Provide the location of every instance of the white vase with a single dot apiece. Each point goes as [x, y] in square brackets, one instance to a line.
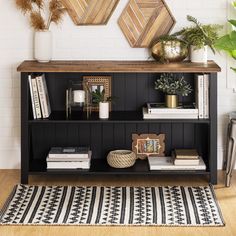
[43, 46]
[103, 110]
[198, 55]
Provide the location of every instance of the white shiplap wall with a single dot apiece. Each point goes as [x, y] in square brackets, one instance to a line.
[91, 42]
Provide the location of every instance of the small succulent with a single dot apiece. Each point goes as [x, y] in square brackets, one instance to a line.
[98, 96]
[171, 85]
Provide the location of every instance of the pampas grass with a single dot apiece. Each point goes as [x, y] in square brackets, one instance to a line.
[34, 8]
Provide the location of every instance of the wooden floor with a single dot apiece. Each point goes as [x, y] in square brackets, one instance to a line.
[225, 196]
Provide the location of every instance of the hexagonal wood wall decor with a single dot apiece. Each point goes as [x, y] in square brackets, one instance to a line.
[143, 21]
[90, 12]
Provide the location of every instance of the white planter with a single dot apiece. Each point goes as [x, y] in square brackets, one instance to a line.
[198, 55]
[103, 110]
[43, 46]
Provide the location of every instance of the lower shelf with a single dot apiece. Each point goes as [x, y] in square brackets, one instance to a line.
[100, 167]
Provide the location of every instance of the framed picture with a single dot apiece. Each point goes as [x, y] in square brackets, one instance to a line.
[100, 83]
[145, 145]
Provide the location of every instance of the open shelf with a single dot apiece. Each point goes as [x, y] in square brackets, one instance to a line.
[115, 117]
[100, 167]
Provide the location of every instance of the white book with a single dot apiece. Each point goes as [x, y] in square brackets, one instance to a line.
[43, 95]
[147, 115]
[32, 96]
[166, 163]
[68, 165]
[70, 152]
[206, 97]
[71, 158]
[155, 108]
[186, 162]
[47, 100]
[199, 94]
[36, 98]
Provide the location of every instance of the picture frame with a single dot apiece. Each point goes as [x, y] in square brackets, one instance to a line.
[145, 145]
[97, 82]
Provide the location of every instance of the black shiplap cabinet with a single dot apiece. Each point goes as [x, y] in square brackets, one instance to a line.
[133, 83]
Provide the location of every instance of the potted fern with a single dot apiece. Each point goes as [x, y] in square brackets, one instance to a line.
[35, 10]
[103, 101]
[199, 37]
[227, 42]
[172, 87]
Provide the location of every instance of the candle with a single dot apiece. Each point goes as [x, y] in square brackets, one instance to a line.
[79, 96]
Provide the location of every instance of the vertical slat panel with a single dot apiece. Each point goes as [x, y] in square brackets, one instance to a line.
[73, 138]
[118, 90]
[142, 128]
[130, 92]
[166, 129]
[84, 134]
[107, 138]
[61, 130]
[119, 136]
[154, 128]
[96, 140]
[142, 91]
[129, 130]
[188, 136]
[177, 135]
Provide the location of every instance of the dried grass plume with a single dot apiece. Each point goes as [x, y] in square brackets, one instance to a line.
[34, 9]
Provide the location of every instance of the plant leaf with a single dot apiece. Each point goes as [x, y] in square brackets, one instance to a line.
[227, 42]
[232, 22]
[234, 69]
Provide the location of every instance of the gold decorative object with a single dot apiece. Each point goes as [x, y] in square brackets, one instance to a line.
[142, 22]
[90, 12]
[145, 145]
[171, 101]
[97, 82]
[121, 158]
[169, 51]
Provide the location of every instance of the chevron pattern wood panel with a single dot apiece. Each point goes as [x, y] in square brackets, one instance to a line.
[90, 12]
[143, 21]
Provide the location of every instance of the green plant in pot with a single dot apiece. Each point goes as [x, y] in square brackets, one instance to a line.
[103, 102]
[173, 87]
[227, 42]
[199, 37]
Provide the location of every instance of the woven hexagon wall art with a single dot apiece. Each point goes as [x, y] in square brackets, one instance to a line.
[90, 12]
[143, 21]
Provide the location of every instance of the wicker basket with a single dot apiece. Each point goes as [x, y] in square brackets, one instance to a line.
[121, 158]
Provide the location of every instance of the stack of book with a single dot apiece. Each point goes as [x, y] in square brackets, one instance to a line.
[69, 158]
[160, 111]
[39, 96]
[186, 157]
[181, 159]
[202, 95]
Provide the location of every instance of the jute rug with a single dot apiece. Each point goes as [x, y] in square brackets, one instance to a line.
[68, 205]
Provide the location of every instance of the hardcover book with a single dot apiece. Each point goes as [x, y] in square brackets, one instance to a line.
[69, 152]
[186, 154]
[167, 163]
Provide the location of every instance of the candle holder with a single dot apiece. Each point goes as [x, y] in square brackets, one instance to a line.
[77, 97]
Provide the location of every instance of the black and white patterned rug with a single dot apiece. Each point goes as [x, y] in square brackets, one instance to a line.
[68, 205]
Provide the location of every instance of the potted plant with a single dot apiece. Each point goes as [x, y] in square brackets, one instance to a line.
[227, 42]
[103, 101]
[199, 37]
[34, 9]
[172, 87]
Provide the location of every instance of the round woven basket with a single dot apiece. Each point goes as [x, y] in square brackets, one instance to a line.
[121, 158]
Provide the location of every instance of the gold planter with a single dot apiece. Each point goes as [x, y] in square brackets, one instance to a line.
[172, 101]
[169, 51]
